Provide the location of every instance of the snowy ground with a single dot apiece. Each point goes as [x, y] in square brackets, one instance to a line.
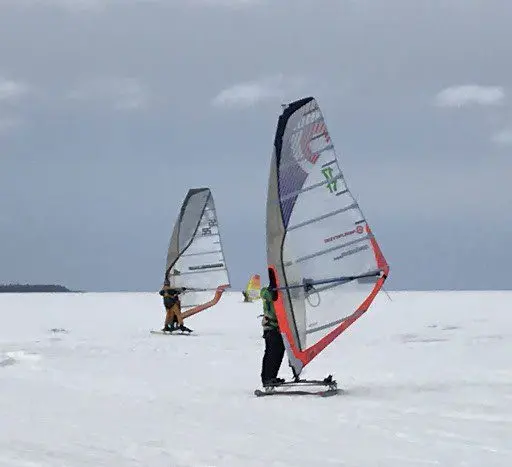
[428, 381]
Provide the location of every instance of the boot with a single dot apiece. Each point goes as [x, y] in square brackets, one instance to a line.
[169, 328]
[273, 382]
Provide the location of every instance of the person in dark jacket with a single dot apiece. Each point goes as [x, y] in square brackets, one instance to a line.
[172, 304]
[274, 345]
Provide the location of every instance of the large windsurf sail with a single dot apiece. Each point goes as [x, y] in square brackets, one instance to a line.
[253, 288]
[195, 258]
[324, 263]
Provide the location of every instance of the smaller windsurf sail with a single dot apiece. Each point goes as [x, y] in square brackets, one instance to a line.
[195, 257]
[325, 266]
[252, 290]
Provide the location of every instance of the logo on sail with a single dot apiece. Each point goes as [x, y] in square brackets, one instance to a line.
[206, 266]
[331, 185]
[359, 229]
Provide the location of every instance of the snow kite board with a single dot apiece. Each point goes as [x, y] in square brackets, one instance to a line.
[163, 333]
[330, 388]
[297, 392]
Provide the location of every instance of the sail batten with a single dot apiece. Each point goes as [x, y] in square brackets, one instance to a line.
[323, 258]
[195, 257]
[205, 253]
[322, 217]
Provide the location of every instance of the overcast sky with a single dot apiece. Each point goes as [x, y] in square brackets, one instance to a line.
[110, 110]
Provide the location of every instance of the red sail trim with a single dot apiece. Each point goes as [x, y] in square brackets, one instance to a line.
[310, 353]
[279, 307]
[381, 261]
[305, 356]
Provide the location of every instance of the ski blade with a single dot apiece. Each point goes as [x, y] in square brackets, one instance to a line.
[298, 392]
[162, 333]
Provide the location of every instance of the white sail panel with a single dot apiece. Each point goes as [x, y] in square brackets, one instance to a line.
[195, 257]
[323, 247]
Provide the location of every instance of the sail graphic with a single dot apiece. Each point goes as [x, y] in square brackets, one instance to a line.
[253, 287]
[324, 263]
[195, 258]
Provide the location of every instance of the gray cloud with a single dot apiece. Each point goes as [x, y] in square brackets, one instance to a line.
[470, 94]
[275, 88]
[94, 6]
[121, 93]
[503, 137]
[11, 90]
[131, 103]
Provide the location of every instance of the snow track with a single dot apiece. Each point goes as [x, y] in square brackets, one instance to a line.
[427, 381]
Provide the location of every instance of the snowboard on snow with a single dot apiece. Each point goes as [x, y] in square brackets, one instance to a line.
[296, 392]
[174, 333]
[328, 388]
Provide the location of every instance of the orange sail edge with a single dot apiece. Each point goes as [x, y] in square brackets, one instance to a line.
[307, 355]
[197, 309]
[304, 357]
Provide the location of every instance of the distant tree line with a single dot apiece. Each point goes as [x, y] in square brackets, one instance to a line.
[25, 288]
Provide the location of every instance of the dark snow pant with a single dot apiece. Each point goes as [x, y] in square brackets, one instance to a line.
[273, 356]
